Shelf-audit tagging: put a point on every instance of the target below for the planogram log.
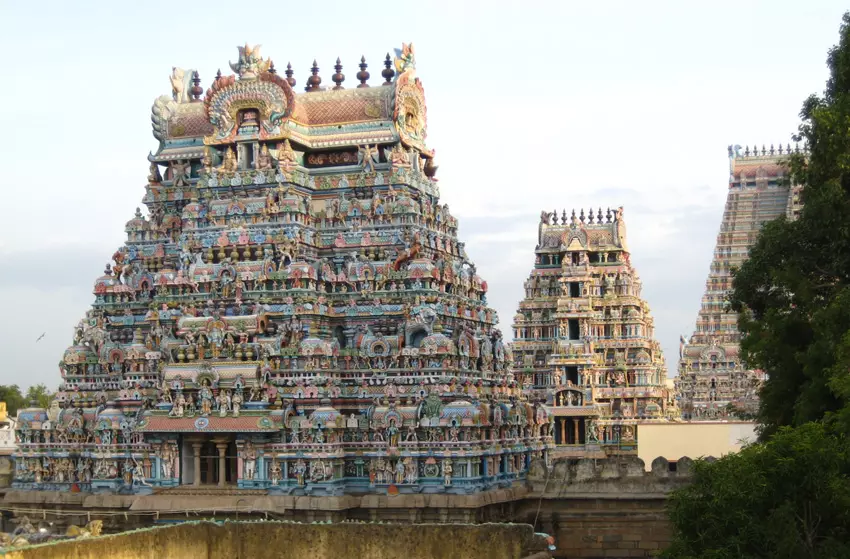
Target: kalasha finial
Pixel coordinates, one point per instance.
(107, 271)
(289, 79)
(581, 216)
(339, 77)
(218, 74)
(599, 215)
(563, 216)
(387, 73)
(363, 75)
(272, 69)
(196, 90)
(590, 216)
(788, 149)
(314, 80)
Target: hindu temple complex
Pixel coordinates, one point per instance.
(295, 313)
(713, 382)
(584, 337)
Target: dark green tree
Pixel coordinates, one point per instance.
(39, 394)
(11, 394)
(787, 498)
(793, 293)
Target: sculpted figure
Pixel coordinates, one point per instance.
(366, 157)
(300, 471)
(206, 396)
(154, 177)
(274, 472)
(264, 160)
(178, 84)
(236, 403)
(286, 158)
(223, 403)
(249, 460)
(399, 157)
(180, 172)
(228, 165)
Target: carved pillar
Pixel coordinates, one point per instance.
(575, 425)
(563, 430)
(196, 450)
(222, 463)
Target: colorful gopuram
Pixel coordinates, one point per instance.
(712, 381)
(295, 313)
(583, 337)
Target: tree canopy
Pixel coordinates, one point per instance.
(15, 400)
(789, 495)
(793, 293)
(787, 498)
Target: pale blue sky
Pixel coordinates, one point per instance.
(531, 105)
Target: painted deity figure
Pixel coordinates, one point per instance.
(236, 403)
(179, 406)
(180, 172)
(447, 472)
(300, 471)
(399, 472)
(223, 403)
(228, 164)
(274, 472)
(206, 396)
(410, 466)
(264, 160)
(399, 157)
(392, 433)
(367, 156)
(166, 457)
(286, 158)
(249, 461)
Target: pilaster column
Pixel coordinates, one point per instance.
(196, 450)
(222, 463)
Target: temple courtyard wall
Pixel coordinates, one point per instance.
(593, 508)
(259, 540)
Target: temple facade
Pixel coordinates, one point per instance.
(293, 313)
(712, 381)
(584, 338)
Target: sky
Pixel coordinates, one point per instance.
(531, 106)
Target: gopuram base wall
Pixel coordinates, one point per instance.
(259, 540)
(594, 508)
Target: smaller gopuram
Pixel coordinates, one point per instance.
(713, 382)
(583, 337)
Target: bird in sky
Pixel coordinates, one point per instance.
(39, 338)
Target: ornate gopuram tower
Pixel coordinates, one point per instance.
(295, 313)
(583, 337)
(713, 382)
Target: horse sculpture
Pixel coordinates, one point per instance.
(408, 254)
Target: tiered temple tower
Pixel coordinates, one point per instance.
(295, 313)
(713, 382)
(584, 338)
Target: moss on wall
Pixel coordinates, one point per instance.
(258, 540)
